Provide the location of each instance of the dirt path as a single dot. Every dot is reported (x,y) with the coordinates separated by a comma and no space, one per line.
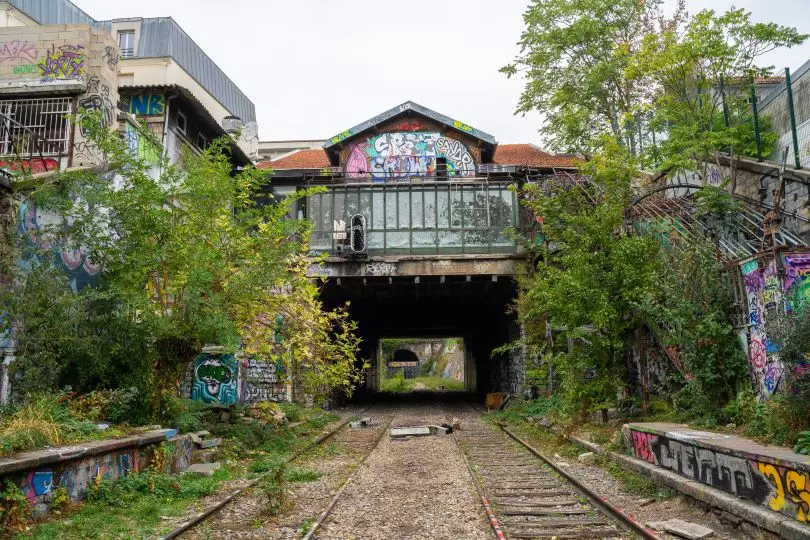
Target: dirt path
(415,488)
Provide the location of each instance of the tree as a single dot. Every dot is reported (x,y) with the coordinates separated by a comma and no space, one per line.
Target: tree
(575,57)
(195,256)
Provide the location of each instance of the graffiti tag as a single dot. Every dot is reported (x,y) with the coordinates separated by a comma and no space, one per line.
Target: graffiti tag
(18,50)
(63,63)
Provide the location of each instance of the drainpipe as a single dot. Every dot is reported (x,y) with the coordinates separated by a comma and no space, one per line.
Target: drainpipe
(166,125)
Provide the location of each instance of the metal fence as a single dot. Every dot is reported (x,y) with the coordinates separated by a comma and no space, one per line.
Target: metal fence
(35,126)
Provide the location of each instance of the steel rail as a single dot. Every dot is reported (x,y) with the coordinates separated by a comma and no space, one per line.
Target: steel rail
(213,509)
(598,500)
(491,517)
(328,510)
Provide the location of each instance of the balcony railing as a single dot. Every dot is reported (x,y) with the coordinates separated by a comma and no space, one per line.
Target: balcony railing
(30,127)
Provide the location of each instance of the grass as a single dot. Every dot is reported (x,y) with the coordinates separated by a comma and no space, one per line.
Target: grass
(46,421)
(302,475)
(633,482)
(400,384)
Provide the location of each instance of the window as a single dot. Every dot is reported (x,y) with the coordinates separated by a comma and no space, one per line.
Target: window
(34,126)
(202,141)
(126,42)
(182,123)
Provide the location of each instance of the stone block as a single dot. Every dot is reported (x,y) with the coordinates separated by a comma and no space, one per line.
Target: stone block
(209,455)
(203,469)
(210,443)
(685,529)
(456,423)
(410,432)
(439,430)
(587,458)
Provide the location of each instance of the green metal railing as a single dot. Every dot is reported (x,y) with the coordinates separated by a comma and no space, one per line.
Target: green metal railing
(428,217)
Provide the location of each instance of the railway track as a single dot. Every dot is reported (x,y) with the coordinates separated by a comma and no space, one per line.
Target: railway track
(362,441)
(528,496)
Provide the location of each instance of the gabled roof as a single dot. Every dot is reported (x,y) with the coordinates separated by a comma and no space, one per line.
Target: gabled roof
(521,155)
(404,109)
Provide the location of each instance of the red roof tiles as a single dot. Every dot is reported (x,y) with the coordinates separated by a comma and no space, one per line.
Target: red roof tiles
(505,154)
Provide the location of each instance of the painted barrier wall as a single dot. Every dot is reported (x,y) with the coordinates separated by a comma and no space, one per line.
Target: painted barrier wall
(109,459)
(781,485)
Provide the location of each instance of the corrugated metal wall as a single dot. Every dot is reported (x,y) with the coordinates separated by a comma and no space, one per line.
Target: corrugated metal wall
(53,11)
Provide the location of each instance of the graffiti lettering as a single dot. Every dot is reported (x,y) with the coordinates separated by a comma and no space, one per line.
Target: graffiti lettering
(111,57)
(147,104)
(63,63)
(381,269)
(462,126)
(98,102)
(714,176)
(641,444)
(215,378)
(24,69)
(18,50)
(403,154)
(797,277)
(341,136)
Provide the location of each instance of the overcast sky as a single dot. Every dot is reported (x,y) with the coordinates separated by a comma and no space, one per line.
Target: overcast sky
(317,67)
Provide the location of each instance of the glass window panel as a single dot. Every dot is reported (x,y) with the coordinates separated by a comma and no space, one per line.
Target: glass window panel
(390,209)
(508,216)
(430,208)
(320,241)
(423,239)
(352,205)
(365,206)
(479,213)
(449,238)
(404,208)
(456,207)
(376,240)
(340,206)
(443,203)
(379,210)
(476,237)
(326,212)
(417,207)
(399,240)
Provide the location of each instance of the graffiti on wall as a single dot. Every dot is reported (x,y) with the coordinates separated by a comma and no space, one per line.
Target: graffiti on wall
(40,228)
(397,155)
(111,57)
(141,145)
(63,63)
(98,99)
(797,277)
(147,104)
(780,488)
(762,289)
(261,380)
(33,166)
(16,49)
(215,378)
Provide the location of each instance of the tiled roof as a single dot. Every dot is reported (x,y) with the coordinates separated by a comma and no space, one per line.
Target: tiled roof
(531,156)
(505,154)
(300,159)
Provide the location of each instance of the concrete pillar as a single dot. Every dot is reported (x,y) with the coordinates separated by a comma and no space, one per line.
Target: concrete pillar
(470,372)
(5,384)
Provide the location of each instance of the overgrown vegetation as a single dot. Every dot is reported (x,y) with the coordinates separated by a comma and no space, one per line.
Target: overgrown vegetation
(638,88)
(178,258)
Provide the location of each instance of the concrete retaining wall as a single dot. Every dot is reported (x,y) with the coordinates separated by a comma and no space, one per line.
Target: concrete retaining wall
(75,468)
(770,476)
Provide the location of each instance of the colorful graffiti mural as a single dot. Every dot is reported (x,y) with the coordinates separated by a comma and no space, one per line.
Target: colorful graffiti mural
(98,99)
(762,289)
(39,228)
(147,104)
(797,278)
(402,154)
(780,488)
(63,63)
(33,166)
(215,378)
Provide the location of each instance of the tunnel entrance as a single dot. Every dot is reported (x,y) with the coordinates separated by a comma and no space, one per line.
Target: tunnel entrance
(471,309)
(421,364)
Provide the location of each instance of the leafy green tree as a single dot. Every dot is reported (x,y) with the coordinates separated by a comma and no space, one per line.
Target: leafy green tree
(195,256)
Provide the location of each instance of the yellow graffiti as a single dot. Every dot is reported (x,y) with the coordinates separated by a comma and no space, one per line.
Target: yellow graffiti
(341,136)
(462,126)
(797,488)
(777,501)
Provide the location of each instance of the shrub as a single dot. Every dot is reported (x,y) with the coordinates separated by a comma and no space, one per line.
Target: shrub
(43,421)
(13,508)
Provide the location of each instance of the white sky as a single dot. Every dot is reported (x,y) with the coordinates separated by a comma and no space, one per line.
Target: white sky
(317,67)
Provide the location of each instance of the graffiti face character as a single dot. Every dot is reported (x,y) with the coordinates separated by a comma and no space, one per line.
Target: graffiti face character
(213,374)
